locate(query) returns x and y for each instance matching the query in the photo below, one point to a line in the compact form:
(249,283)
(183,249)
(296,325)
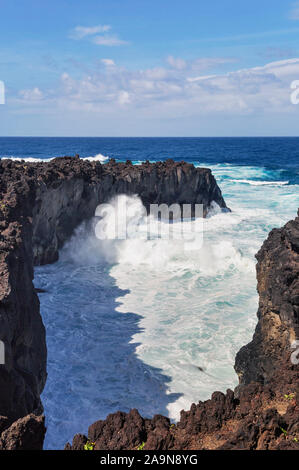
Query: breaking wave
(155,326)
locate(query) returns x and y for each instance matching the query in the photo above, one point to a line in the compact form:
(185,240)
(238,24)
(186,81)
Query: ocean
(146,324)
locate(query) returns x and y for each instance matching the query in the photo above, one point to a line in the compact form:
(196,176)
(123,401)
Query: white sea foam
(157,253)
(97,158)
(144,327)
(261,183)
(26,159)
(232,171)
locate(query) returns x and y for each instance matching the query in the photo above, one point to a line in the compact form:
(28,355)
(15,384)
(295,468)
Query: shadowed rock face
(40,206)
(263,412)
(70,190)
(253,420)
(278,313)
(24,434)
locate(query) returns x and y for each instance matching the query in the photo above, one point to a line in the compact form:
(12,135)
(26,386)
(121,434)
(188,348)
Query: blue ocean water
(129,326)
(280,154)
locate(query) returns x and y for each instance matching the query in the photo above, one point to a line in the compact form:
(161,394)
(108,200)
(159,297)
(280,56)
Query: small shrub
(284,432)
(289,396)
(89,445)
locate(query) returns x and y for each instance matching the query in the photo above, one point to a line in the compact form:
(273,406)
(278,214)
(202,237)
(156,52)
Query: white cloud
(123,97)
(91,32)
(294,13)
(277,52)
(108,62)
(108,40)
(198,65)
(157,73)
(34,94)
(162,93)
(202,77)
(80,32)
(206,63)
(2,92)
(176,63)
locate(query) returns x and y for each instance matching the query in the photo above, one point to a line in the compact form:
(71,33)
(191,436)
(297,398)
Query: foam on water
(262,183)
(145,323)
(97,158)
(26,159)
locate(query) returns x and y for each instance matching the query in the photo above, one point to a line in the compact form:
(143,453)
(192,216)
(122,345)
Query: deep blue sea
(277,153)
(128,324)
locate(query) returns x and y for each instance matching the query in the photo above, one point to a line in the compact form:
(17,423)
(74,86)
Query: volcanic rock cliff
(263,411)
(278,313)
(40,206)
(69,190)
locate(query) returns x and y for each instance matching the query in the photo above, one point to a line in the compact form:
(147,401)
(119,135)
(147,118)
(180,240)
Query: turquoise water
(130,324)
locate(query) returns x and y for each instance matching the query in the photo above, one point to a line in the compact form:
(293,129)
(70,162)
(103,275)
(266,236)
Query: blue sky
(148,67)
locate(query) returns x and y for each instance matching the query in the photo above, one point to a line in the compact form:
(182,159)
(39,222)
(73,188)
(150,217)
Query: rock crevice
(278,312)
(40,206)
(263,411)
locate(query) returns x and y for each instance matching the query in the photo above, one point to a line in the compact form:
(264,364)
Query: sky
(149,67)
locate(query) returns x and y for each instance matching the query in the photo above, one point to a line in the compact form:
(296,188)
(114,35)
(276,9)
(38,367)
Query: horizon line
(150,137)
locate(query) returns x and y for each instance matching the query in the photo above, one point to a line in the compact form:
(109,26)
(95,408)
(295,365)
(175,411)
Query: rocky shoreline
(262,413)
(40,206)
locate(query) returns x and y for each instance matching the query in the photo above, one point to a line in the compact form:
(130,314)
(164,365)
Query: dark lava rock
(40,206)
(278,313)
(263,411)
(27,433)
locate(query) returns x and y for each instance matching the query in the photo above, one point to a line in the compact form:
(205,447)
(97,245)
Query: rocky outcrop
(70,189)
(40,206)
(263,411)
(278,313)
(24,434)
(257,417)
(23,375)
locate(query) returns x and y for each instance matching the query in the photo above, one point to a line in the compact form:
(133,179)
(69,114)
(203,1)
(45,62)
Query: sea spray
(135,240)
(154,327)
